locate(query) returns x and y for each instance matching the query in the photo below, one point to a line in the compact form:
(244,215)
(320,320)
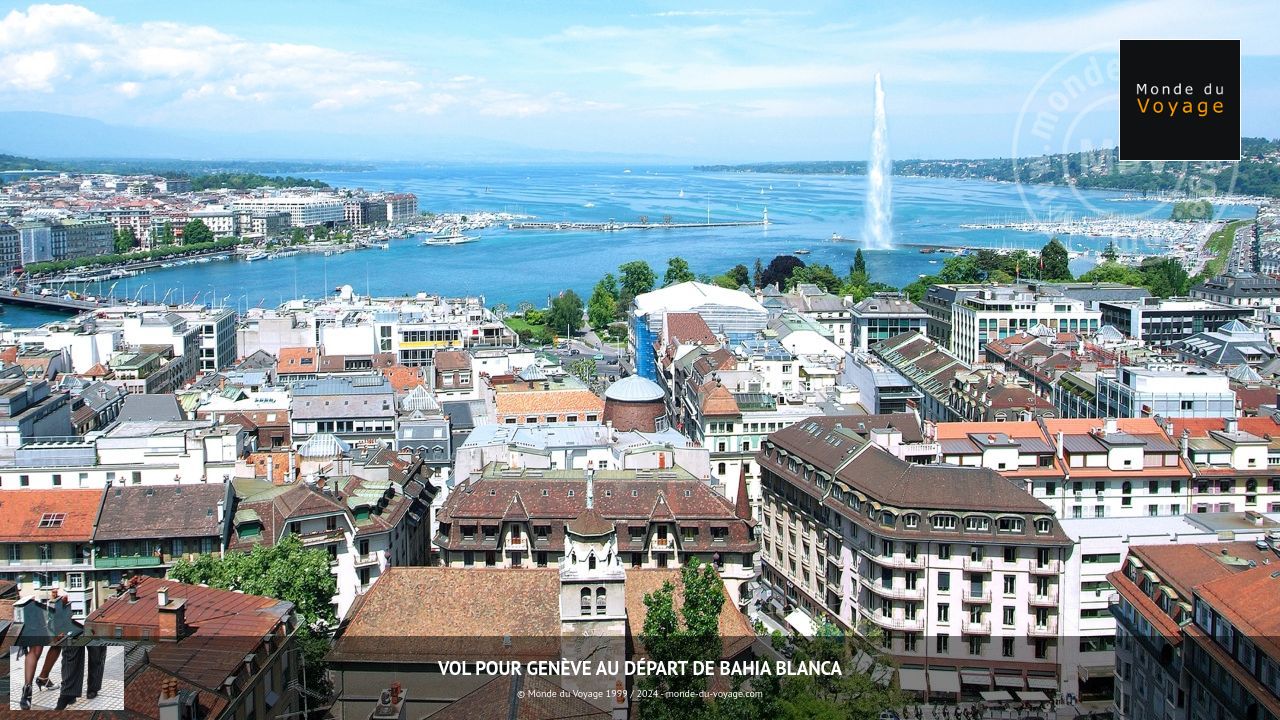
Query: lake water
(515,265)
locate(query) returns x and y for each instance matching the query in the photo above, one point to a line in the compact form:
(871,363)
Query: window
(944,613)
(601,603)
(944,581)
(1010,554)
(490,558)
(51,520)
(941,646)
(1011,525)
(1006,646)
(1010,584)
(542,559)
(1044,525)
(585,602)
(24,481)
(944,551)
(57,480)
(1008,617)
(975,523)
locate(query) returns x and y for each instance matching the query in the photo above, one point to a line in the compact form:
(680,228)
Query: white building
(304,210)
(222,222)
(997,312)
(1164,390)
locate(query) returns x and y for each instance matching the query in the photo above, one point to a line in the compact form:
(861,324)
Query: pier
(612,226)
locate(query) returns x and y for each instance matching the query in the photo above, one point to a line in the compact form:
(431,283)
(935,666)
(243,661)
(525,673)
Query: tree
(297,236)
(821,275)
(1110,254)
(757,274)
(321,232)
(286,571)
(1054,261)
(637,279)
(859,262)
(779,271)
(739,275)
(565,313)
(196,232)
(125,241)
(166,235)
(666,639)
(677,272)
(1165,277)
(523,308)
(602,308)
(501,310)
(584,368)
(861,690)
(1113,272)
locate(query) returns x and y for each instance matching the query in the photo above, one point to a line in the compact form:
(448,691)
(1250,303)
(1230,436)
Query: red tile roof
(58,515)
(452,360)
(1200,427)
(297,360)
(402,378)
(684,328)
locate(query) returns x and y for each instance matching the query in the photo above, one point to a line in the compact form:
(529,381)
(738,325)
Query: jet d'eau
(877,232)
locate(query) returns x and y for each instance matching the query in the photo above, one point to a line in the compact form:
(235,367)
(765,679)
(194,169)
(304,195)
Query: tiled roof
(297,360)
(736,633)
(452,360)
(59,515)
(160,512)
(1200,427)
(688,328)
(550,402)
(717,400)
(1248,601)
(402,378)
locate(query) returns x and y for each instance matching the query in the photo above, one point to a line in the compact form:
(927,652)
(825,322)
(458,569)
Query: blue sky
(689,80)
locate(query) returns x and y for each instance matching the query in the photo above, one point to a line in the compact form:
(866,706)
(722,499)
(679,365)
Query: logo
(1180,100)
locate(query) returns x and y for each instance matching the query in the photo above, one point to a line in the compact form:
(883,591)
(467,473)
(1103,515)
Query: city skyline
(664,82)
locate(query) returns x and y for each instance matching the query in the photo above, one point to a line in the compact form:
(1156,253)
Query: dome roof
(323,445)
(634,389)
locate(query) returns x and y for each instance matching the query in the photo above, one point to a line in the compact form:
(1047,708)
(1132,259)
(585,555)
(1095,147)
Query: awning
(1044,683)
(1009,681)
(1033,696)
(1168,591)
(801,623)
(976,677)
(996,696)
(944,681)
(911,679)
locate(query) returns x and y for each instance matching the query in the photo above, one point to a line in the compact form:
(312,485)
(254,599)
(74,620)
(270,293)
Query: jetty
(614,226)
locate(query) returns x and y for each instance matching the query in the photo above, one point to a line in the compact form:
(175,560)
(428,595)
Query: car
(889,715)
(575,351)
(598,356)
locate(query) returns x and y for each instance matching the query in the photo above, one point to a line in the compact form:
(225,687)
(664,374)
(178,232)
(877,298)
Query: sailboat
(681,192)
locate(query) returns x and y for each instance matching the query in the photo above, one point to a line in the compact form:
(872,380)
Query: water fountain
(877,232)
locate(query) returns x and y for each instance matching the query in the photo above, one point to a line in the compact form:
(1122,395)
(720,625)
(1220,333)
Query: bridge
(52,302)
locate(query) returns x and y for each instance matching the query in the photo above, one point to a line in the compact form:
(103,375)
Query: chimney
(173,704)
(1185,443)
(1232,424)
(222,510)
(173,620)
(391,704)
(1110,426)
(591,487)
(133,594)
(1059,445)
(162,595)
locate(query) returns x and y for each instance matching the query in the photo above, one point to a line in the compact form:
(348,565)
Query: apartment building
(958,568)
(30,410)
(1255,291)
(517,517)
(1195,629)
(996,312)
(352,408)
(304,210)
(1235,463)
(1163,321)
(48,542)
(882,316)
(930,368)
(401,207)
(813,303)
(1138,391)
(10,248)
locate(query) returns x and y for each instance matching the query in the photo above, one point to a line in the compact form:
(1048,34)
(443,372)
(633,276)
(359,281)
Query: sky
(700,81)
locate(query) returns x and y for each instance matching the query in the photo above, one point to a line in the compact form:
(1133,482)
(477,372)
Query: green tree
(861,691)
(757,274)
(677,272)
(565,313)
(602,308)
(821,275)
(637,278)
(1165,277)
(286,571)
(125,241)
(584,368)
(859,262)
(501,310)
(297,236)
(1054,261)
(668,639)
(196,232)
(166,235)
(1111,254)
(321,232)
(779,271)
(739,275)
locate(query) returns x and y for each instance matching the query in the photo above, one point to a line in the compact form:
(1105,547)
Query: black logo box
(1185,67)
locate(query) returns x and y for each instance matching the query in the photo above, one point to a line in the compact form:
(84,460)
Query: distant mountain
(1257,173)
(54,136)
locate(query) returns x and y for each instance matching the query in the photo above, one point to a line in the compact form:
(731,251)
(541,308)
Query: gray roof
(324,445)
(150,408)
(360,385)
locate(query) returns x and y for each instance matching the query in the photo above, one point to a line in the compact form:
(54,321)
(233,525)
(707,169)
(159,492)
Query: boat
(836,237)
(928,250)
(589,205)
(451,238)
(255,255)
(802,252)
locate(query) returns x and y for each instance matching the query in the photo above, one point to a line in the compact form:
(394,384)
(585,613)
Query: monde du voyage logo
(1180,100)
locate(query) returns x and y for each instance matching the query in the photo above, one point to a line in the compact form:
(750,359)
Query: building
(222,222)
(209,654)
(10,248)
(304,210)
(1195,629)
(451,374)
(30,410)
(635,403)
(133,216)
(882,316)
(880,388)
(958,568)
(1164,390)
(1229,346)
(366,523)
(401,207)
(264,223)
(997,312)
(65,239)
(929,367)
(1164,321)
(47,537)
(531,397)
(1235,463)
(724,311)
(143,530)
(517,517)
(1260,293)
(830,311)
(352,408)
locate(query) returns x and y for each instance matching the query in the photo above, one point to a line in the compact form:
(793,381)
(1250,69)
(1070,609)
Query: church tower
(593,605)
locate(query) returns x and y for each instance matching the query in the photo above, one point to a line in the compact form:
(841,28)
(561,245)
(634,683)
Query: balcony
(128,561)
(896,593)
(517,543)
(972,565)
(1048,628)
(894,561)
(982,627)
(663,544)
(368,559)
(1052,567)
(897,623)
(50,564)
(324,537)
(977,596)
(1043,600)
